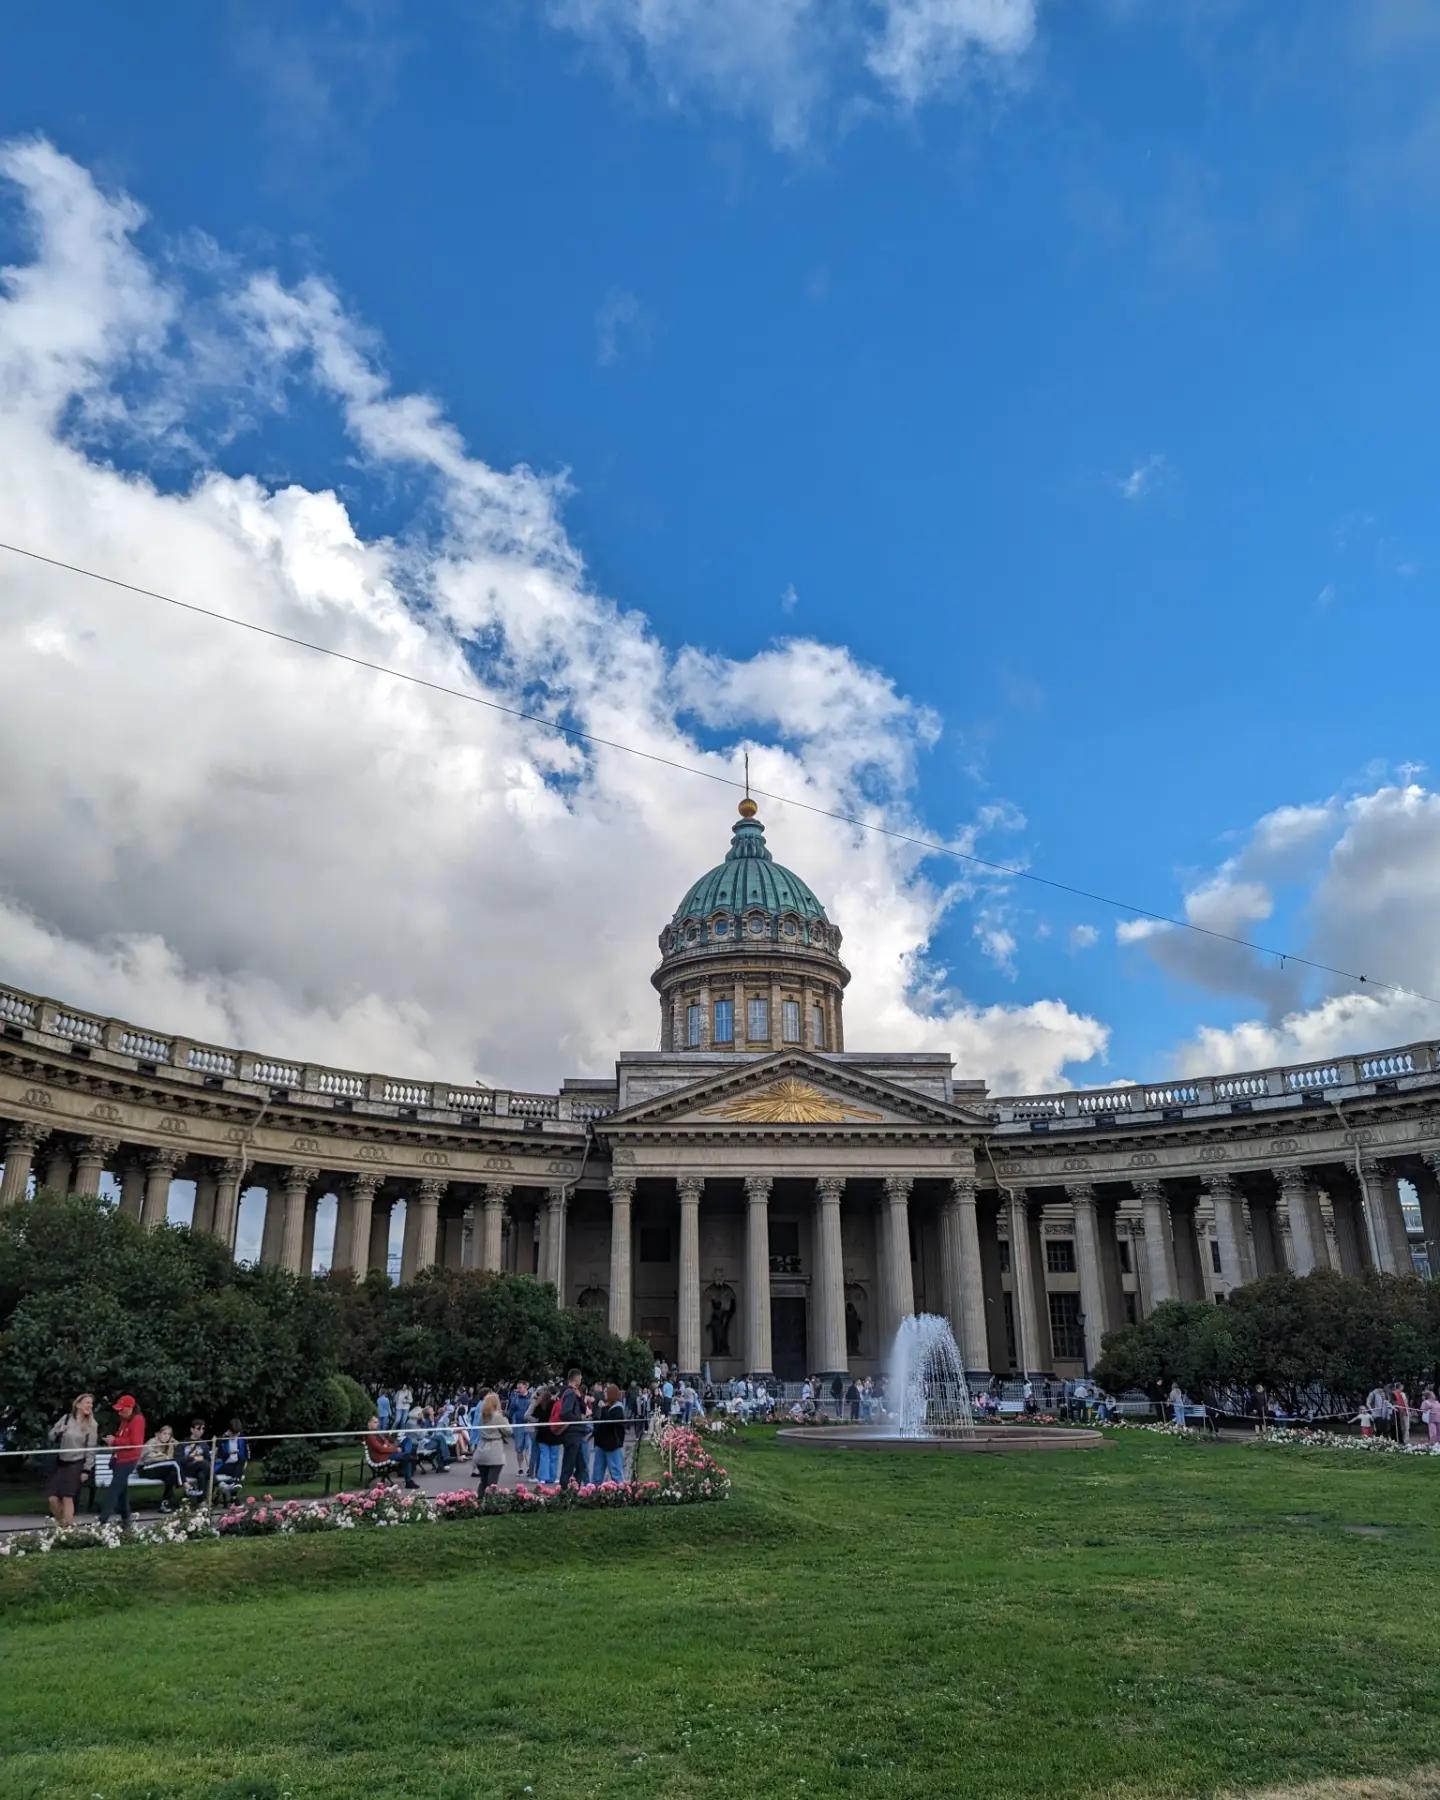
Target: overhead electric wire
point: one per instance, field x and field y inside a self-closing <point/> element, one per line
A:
<point x="589" y="737"/>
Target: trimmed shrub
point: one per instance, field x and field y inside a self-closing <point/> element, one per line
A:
<point x="291" y="1462"/>
<point x="361" y="1405"/>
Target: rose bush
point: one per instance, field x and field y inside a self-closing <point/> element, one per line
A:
<point x="689" y="1475"/>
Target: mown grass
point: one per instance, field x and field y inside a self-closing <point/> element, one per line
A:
<point x="1156" y="1619"/>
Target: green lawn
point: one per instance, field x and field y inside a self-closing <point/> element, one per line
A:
<point x="1154" y="1619"/>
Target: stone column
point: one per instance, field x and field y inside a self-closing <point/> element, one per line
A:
<point x="228" y="1176"/>
<point x="492" y="1241"/>
<point x="159" y="1171"/>
<point x="342" y="1245"/>
<point x="757" y="1276"/>
<point x="622" y="1199"/>
<point x="307" y="1236"/>
<point x="452" y="1255"/>
<point x="1159" y="1244"/>
<point x="132" y="1187"/>
<point x="964" y="1275"/>
<point x="807" y="1016"/>
<point x="1087" y="1263"/>
<point x="1295" y="1192"/>
<point x="58" y="1172"/>
<point x="1028" y="1340"/>
<point x="21" y="1142"/>
<point x="737" y="1009"/>
<point x="428" y="1196"/>
<point x="1229" y="1227"/>
<point x="1427" y="1189"/>
<point x="352" y="1248"/>
<point x="1384" y="1219"/>
<point x="897" y="1262"/>
<point x="295" y="1187"/>
<point x="542" y="1243"/>
<point x="378" y="1253"/>
<point x="689" y="1188"/>
<point x="1351" y="1246"/>
<point x="206" y="1183"/>
<point x="272" y="1232"/>
<point x="834" y="1355"/>
<point x="885" y="1325"/>
<point x="95" y="1153"/>
<point x="556" y="1205"/>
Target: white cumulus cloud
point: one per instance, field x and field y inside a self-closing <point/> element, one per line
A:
<point x="210" y="833"/>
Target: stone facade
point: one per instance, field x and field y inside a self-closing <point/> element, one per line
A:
<point x="771" y="1210"/>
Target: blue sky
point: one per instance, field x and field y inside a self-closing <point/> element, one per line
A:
<point x="1079" y="380"/>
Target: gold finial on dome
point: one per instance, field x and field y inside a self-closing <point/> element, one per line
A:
<point x="748" y="808"/>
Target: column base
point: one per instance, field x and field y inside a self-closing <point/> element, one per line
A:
<point x="765" y="1375"/>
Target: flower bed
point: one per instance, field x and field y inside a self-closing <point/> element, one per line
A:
<point x="1291" y="1437"/>
<point x="689" y="1475"/>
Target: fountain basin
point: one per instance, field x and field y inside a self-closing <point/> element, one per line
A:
<point x="984" y="1439"/>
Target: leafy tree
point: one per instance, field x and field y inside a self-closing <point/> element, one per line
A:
<point x="1320" y="1340"/>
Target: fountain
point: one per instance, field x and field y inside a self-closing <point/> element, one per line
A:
<point x="925" y="1387"/>
<point x="927" y="1401"/>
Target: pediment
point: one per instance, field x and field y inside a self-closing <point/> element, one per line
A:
<point x="792" y="1090"/>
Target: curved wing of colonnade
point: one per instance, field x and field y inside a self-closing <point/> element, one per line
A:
<point x="1038" y="1221"/>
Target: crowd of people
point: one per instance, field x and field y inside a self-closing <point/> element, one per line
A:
<point x="558" y="1431"/>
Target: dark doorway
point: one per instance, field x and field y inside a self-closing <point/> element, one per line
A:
<point x="787" y="1336"/>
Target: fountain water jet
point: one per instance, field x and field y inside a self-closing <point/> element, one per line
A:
<point x="925" y="1386"/>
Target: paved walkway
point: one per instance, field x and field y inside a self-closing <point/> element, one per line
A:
<point x="456" y="1476"/>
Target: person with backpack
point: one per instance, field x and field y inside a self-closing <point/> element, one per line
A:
<point x="568" y="1412"/>
<point x="547" y="1433"/>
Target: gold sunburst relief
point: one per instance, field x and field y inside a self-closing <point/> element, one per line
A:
<point x="789" y="1102"/>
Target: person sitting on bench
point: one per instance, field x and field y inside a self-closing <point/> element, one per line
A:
<point x="386" y="1454"/>
<point x="161" y="1463"/>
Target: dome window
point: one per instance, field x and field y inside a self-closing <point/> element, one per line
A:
<point x="790" y="928"/>
<point x="757" y="925"/>
<point x="721" y="928"/>
<point x="691" y="933"/>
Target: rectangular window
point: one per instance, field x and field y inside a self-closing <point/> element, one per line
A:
<point x="757" y="1020"/>
<point x="654" y="1244"/>
<point x="790" y="1019"/>
<point x="1215" y="1255"/>
<point x="1004" y="1256"/>
<point x="724" y="1022"/>
<point x="1060" y="1256"/>
<point x="1123" y="1248"/>
<point x="819" y="1028"/>
<point x="1132" y="1309"/>
<point x="1067" y="1339"/>
<point x="692" y="1026"/>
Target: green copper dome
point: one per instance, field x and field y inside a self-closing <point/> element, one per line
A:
<point x="748" y="878"/>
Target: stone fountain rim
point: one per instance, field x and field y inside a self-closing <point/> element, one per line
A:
<point x="992" y="1440"/>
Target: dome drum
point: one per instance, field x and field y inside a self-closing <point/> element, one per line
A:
<point x="749" y="962"/>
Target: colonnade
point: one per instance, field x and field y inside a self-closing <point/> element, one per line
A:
<point x="1137" y="1241"/>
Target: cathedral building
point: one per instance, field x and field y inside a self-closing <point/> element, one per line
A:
<point x="753" y="1196"/>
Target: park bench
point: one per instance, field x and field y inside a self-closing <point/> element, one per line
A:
<point x="100" y="1477"/>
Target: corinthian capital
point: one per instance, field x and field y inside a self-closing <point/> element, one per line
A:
<point x="757" y="1188"/>
<point x="431" y="1190"/>
<point x="830" y="1189"/>
<point x="897" y="1189"/>
<point x="691" y="1189"/>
